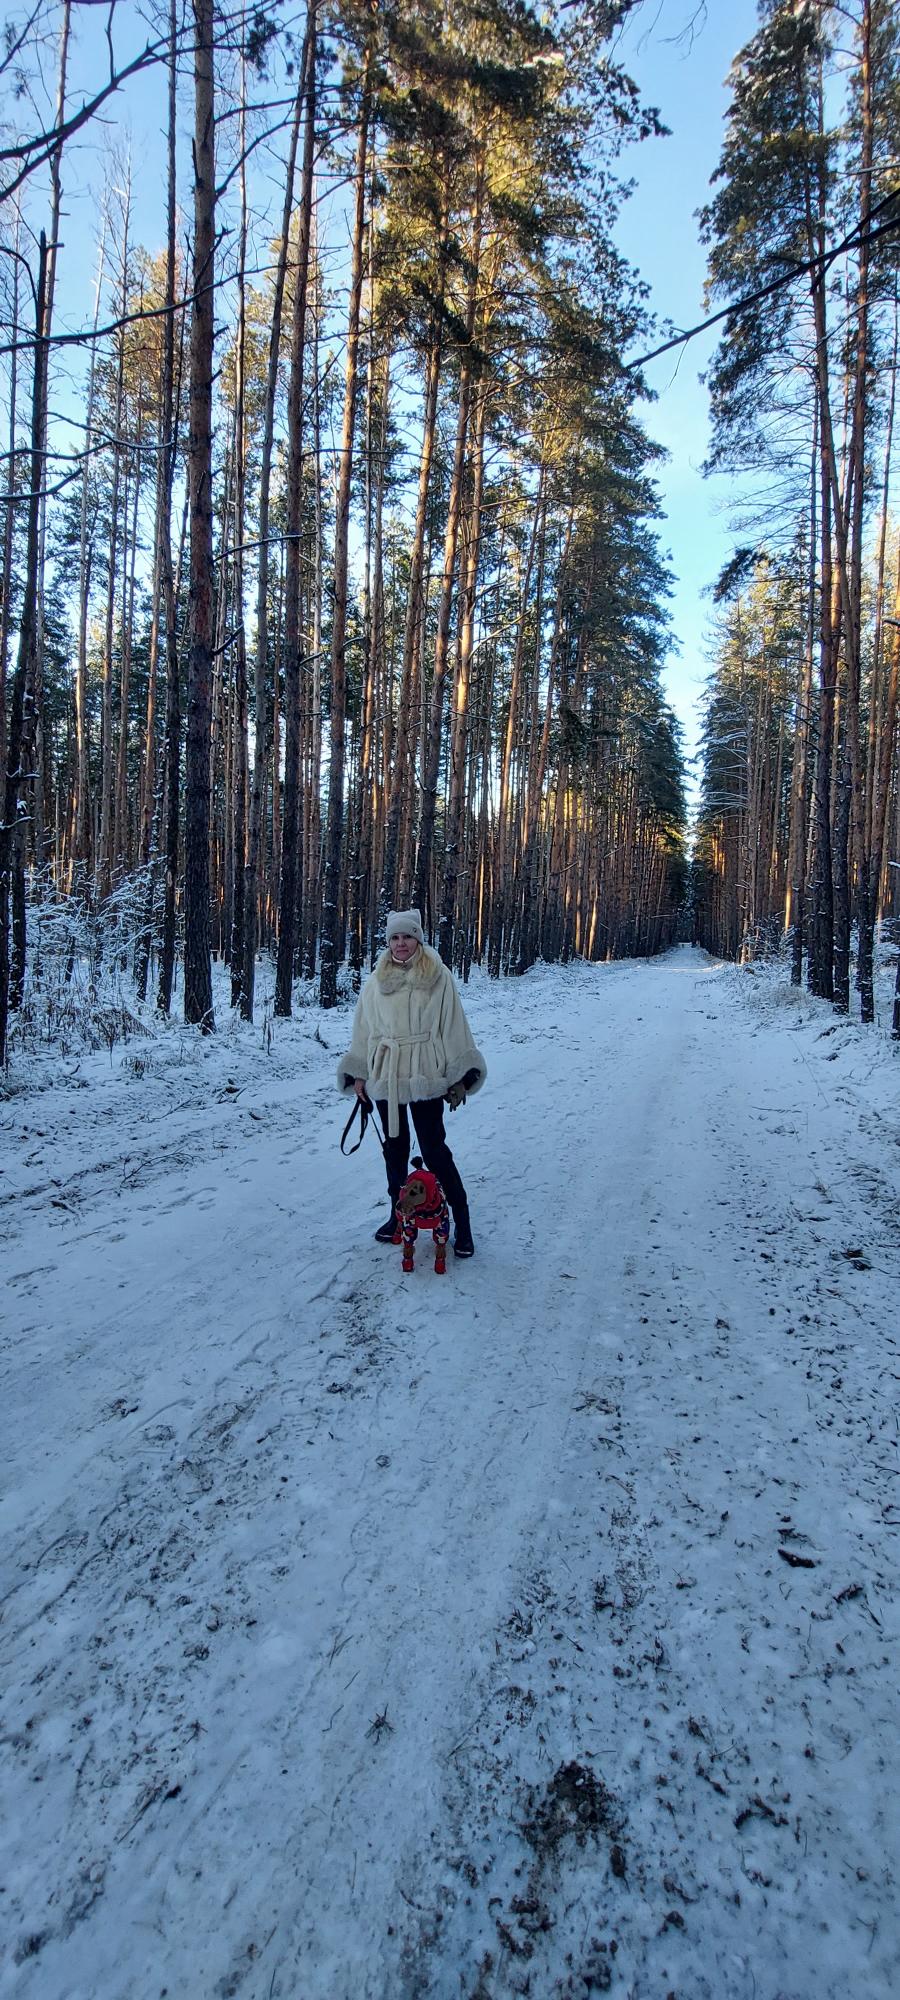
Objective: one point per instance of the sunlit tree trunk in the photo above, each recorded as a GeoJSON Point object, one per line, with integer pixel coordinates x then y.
{"type": "Point", "coordinates": [168, 454]}
{"type": "Point", "coordinates": [330, 927]}
{"type": "Point", "coordinates": [400, 772]}
{"type": "Point", "coordinates": [20, 724]}
{"type": "Point", "coordinates": [81, 842]}
{"type": "Point", "coordinates": [500, 916]}
{"type": "Point", "coordinates": [198, 1006]}
{"type": "Point", "coordinates": [239, 773]}
{"type": "Point", "coordinates": [287, 897]}
{"type": "Point", "coordinates": [459, 733]}
{"type": "Point", "coordinates": [262, 738]}
{"type": "Point", "coordinates": [373, 623]}
{"type": "Point", "coordinates": [9, 515]}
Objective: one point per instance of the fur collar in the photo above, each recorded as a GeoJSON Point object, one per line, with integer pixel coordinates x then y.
{"type": "Point", "coordinates": [423, 970]}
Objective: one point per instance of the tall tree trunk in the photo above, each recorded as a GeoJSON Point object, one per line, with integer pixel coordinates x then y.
{"type": "Point", "coordinates": [262, 734]}
{"type": "Point", "coordinates": [537, 771]}
{"type": "Point", "coordinates": [107, 791]}
{"type": "Point", "coordinates": [399, 774]}
{"type": "Point", "coordinates": [239, 721]}
{"type": "Point", "coordinates": [500, 915]}
{"type": "Point", "coordinates": [81, 844]}
{"type": "Point", "coordinates": [857, 475]}
{"type": "Point", "coordinates": [198, 1003]}
{"type": "Point", "coordinates": [20, 727]}
{"type": "Point", "coordinates": [9, 515]}
{"type": "Point", "coordinates": [795, 912]}
{"type": "Point", "coordinates": [876, 691]}
{"type": "Point", "coordinates": [459, 734]}
{"type": "Point", "coordinates": [287, 900]}
{"type": "Point", "coordinates": [821, 962]}
{"type": "Point", "coordinates": [359, 883]}
{"type": "Point", "coordinates": [38, 783]}
{"type": "Point", "coordinates": [313, 829]}
{"type": "Point", "coordinates": [169, 428]}
{"type": "Point", "coordinates": [840, 863]}
{"type": "Point", "coordinates": [330, 931]}
{"type": "Point", "coordinates": [129, 564]}
{"type": "Point", "coordinates": [432, 759]}
{"type": "Point", "coordinates": [882, 790]}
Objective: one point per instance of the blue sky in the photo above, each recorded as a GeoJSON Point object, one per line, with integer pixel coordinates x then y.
{"type": "Point", "coordinates": [658, 231]}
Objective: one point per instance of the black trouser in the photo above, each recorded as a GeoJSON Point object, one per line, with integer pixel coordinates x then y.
{"type": "Point", "coordinates": [428, 1119]}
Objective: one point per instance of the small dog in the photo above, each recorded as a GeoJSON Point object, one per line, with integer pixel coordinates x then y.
{"type": "Point", "coordinates": [421, 1205]}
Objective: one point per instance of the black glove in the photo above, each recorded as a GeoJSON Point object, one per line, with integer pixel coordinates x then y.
{"type": "Point", "coordinates": [456, 1095]}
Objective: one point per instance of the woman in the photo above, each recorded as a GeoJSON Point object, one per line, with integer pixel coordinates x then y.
{"type": "Point", "coordinates": [411, 1049]}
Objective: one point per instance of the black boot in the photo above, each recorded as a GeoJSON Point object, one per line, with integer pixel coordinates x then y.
{"type": "Point", "coordinates": [389, 1231]}
{"type": "Point", "coordinates": [462, 1235]}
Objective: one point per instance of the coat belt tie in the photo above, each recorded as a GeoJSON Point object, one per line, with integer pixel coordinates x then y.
{"type": "Point", "coordinates": [393, 1044]}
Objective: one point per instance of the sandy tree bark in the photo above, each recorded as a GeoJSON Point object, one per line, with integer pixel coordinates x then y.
{"type": "Point", "coordinates": [882, 786]}
{"type": "Point", "coordinates": [312, 804]}
{"type": "Point", "coordinates": [287, 899]}
{"type": "Point", "coordinates": [10, 508]}
{"type": "Point", "coordinates": [848, 533]}
{"type": "Point", "coordinates": [848, 807]}
{"type": "Point", "coordinates": [527, 736]}
{"type": "Point", "coordinates": [262, 738]}
{"type": "Point", "coordinates": [537, 768]}
{"type": "Point", "coordinates": [198, 1005]}
{"type": "Point", "coordinates": [330, 931]}
{"type": "Point", "coordinates": [21, 706]}
{"type": "Point", "coordinates": [123, 852]}
{"type": "Point", "coordinates": [30, 825]}
{"type": "Point", "coordinates": [821, 950]}
{"type": "Point", "coordinates": [432, 756]}
{"type": "Point", "coordinates": [107, 796]}
{"type": "Point", "coordinates": [239, 704]}
{"type": "Point", "coordinates": [80, 859]}
{"type": "Point", "coordinates": [555, 927]}
{"type": "Point", "coordinates": [42, 804]}
{"type": "Point", "coordinates": [876, 686]}
{"type": "Point", "coordinates": [794, 915]}
{"type": "Point", "coordinates": [400, 772]}
{"type": "Point", "coordinates": [857, 471]}
{"type": "Point", "coordinates": [172, 753]}
{"type": "Point", "coordinates": [358, 886]}
{"type": "Point", "coordinates": [162, 629]}
{"type": "Point", "coordinates": [501, 911]}
{"type": "Point", "coordinates": [459, 737]}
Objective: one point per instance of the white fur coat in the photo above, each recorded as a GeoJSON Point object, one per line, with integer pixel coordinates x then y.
{"type": "Point", "coordinates": [410, 1036]}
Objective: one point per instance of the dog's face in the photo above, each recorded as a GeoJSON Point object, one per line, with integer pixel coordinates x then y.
{"type": "Point", "coordinates": [413, 1196]}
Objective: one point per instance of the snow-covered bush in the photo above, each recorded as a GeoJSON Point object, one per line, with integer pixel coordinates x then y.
{"type": "Point", "coordinates": [79, 986]}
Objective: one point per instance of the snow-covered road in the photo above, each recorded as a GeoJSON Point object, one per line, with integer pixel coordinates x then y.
{"type": "Point", "coordinates": [527, 1631]}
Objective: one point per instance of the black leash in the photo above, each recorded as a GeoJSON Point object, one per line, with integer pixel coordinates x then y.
{"type": "Point", "coordinates": [364, 1110]}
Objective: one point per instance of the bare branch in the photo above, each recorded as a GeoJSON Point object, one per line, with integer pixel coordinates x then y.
{"type": "Point", "coordinates": [814, 266]}
{"type": "Point", "coordinates": [35, 152]}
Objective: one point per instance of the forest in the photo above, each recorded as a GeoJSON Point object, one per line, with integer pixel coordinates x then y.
{"type": "Point", "coordinates": [349, 591]}
{"type": "Point", "coordinates": [798, 836]}
{"type": "Point", "coordinates": [332, 576]}
{"type": "Point", "coordinates": [450, 468]}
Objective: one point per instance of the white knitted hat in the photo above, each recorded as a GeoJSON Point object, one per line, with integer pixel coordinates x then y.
{"type": "Point", "coordinates": [408, 922]}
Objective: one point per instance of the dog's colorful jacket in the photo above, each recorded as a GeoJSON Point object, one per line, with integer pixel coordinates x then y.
{"type": "Point", "coordinates": [434, 1209]}
{"type": "Point", "coordinates": [432, 1214]}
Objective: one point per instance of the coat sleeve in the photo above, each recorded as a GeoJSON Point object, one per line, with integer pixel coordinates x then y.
{"type": "Point", "coordinates": [464, 1060]}
{"type": "Point", "coordinates": [355, 1060]}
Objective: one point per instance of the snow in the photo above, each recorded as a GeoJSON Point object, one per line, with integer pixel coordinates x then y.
{"type": "Point", "coordinates": [530, 1630]}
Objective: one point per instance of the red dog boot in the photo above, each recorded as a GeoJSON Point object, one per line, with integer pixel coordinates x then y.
{"type": "Point", "coordinates": [440, 1255]}
{"type": "Point", "coordinates": [410, 1233]}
